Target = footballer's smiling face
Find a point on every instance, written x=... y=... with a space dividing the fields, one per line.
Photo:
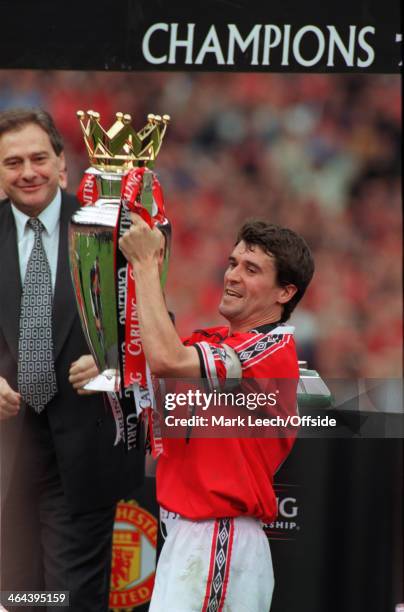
x=251 y=295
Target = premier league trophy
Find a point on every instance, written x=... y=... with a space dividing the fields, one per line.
x=119 y=181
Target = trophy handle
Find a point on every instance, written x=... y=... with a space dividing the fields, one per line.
x=166 y=230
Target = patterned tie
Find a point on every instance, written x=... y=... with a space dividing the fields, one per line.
x=36 y=370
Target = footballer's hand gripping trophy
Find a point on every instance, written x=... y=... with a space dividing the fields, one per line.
x=119 y=181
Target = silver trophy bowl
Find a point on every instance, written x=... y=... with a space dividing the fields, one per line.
x=92 y=262
x=91 y=248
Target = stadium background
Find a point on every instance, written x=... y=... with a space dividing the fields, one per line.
x=319 y=153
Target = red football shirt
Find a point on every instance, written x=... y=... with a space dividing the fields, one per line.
x=204 y=478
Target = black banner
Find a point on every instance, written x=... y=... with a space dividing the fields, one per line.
x=290 y=36
x=336 y=543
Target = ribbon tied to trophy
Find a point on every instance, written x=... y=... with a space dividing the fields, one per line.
x=119 y=181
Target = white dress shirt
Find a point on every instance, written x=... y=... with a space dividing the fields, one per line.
x=50 y=217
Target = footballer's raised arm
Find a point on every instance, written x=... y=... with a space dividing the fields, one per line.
x=143 y=247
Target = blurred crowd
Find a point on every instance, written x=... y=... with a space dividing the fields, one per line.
x=319 y=153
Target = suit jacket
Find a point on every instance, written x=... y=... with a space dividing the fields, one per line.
x=94 y=473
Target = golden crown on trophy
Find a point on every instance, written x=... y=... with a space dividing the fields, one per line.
x=121 y=147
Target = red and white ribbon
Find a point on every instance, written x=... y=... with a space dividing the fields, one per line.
x=136 y=371
x=87 y=192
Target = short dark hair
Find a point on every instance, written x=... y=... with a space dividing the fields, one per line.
x=17 y=118
x=293 y=260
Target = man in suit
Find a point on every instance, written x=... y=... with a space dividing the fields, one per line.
x=60 y=473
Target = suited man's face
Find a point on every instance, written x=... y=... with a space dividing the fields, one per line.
x=29 y=168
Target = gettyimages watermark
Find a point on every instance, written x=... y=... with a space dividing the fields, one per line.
x=273 y=408
x=212 y=403
x=214 y=399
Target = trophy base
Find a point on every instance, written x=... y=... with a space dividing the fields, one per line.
x=108 y=381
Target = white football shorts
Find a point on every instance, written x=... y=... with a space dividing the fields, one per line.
x=221 y=565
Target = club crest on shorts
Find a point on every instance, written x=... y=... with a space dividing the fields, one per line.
x=133 y=557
